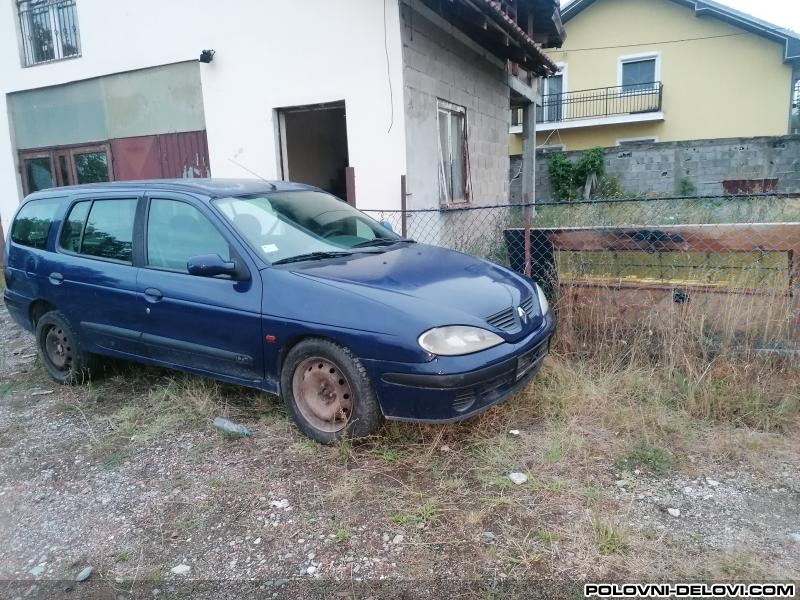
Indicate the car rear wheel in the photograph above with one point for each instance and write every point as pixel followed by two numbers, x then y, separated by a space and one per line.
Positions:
pixel 60 350
pixel 328 393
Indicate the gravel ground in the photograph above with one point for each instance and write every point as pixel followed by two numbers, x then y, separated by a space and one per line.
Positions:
pixel 188 512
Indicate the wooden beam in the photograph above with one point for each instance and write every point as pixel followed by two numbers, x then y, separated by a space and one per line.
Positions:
pixel 350 184
pixel 493 39
pixel 471 13
pixel 488 30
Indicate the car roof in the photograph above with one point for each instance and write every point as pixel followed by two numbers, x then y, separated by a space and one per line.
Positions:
pixel 208 187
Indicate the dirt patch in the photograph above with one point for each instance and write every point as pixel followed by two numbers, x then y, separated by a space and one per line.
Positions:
pixel 127 475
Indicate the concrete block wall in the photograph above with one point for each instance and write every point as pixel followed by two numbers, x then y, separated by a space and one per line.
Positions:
pixel 515 177
pixel 657 168
pixel 437 64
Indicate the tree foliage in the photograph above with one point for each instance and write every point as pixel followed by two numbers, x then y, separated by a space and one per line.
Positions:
pixel 591 161
pixel 562 176
pixel 567 178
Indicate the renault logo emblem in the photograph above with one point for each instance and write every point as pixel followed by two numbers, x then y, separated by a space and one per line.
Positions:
pixel 522 315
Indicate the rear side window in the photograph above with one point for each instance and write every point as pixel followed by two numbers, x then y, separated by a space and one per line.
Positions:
pixel 72 230
pixel 32 225
pixel 102 228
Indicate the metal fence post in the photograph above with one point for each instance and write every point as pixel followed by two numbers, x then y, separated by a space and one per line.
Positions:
pixel 403 214
pixel 794 289
pixel 528 176
pixel 526 212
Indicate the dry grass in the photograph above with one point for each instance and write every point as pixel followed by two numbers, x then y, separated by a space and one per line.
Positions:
pixel 653 399
pixel 133 405
pixel 731 358
pixel 610 538
pixel 583 425
pixel 649 397
pixel 727 566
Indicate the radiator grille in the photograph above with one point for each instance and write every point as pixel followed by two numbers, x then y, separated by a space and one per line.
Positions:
pixel 507 319
pixel 527 306
pixel 504 320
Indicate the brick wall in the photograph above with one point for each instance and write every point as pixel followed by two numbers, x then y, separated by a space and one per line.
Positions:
pixel 647 168
pixel 437 65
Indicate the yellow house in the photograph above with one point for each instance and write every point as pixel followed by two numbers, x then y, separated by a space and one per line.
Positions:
pixel 666 70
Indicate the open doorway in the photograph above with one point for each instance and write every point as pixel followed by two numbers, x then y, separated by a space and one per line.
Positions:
pixel 313 143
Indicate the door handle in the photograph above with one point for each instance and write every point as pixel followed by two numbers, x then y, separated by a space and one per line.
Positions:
pixel 56 278
pixel 153 294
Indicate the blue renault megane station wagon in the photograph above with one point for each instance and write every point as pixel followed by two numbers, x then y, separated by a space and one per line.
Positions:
pixel 276 286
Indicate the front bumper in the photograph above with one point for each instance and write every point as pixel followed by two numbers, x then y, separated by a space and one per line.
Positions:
pixel 454 388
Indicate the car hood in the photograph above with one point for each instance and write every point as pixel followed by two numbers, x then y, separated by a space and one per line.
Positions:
pixel 449 287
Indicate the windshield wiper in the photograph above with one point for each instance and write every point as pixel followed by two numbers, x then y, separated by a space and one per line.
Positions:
pixel 311 256
pixel 382 242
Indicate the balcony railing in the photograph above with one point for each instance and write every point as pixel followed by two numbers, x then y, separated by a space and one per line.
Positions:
pixel 49 30
pixel 601 102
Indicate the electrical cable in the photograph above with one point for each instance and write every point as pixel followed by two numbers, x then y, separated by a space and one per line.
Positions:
pixel 710 37
pixel 388 69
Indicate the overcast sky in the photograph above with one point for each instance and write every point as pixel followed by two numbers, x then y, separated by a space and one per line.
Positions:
pixel 785 13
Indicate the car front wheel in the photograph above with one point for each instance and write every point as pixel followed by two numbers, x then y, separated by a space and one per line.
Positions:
pixel 328 393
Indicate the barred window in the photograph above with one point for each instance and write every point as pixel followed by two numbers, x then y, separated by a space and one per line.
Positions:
pixel 49 30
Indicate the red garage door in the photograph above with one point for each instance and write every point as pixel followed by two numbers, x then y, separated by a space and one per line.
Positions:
pixel 170 155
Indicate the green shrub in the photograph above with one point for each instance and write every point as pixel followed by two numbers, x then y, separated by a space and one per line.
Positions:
pixel 686 187
pixel 591 161
pixel 562 177
pixel 567 178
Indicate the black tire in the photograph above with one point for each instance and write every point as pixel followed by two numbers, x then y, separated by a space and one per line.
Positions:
pixel 329 376
pixel 60 351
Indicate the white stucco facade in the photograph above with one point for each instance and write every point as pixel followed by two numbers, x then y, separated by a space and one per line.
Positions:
pixel 269 54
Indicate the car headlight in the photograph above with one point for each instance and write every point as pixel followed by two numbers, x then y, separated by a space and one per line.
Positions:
pixel 544 305
pixel 455 340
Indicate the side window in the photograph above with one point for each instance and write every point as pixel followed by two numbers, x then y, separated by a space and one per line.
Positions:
pixel 72 230
pixel 32 225
pixel 109 229
pixel 453 163
pixel 177 231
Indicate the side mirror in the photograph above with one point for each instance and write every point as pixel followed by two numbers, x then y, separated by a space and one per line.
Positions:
pixel 211 265
pixel 387 225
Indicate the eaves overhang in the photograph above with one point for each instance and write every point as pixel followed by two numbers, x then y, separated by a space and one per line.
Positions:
pixel 489 24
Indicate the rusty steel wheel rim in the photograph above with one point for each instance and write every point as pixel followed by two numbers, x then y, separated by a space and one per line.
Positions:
pixel 58 349
pixel 323 394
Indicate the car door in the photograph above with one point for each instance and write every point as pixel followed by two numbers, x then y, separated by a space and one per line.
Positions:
pixel 205 324
pixel 92 274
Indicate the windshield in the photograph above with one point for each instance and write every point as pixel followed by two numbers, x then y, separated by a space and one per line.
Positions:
pixel 283 225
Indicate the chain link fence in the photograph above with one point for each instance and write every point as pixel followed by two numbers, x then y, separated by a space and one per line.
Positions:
pixel 713 273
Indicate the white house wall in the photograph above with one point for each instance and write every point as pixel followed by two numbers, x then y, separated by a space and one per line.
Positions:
pixel 269 54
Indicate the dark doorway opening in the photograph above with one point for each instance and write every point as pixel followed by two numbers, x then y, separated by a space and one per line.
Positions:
pixel 313 143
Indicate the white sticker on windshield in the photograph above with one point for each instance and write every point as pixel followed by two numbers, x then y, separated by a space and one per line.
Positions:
pixel 269 248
